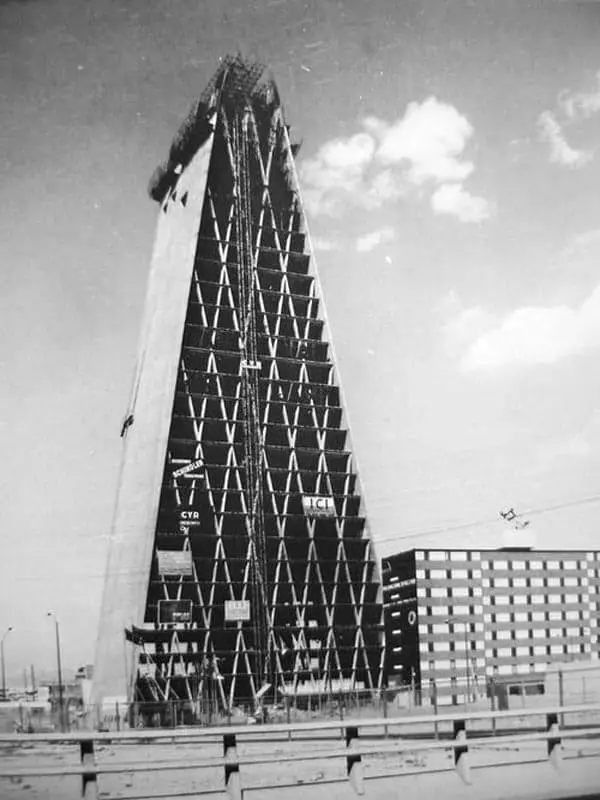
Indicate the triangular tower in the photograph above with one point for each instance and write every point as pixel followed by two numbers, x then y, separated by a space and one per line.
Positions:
pixel 240 556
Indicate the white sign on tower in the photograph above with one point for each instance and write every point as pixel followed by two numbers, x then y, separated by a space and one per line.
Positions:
pixel 174 562
pixel 237 610
pixel 317 506
pixel 195 469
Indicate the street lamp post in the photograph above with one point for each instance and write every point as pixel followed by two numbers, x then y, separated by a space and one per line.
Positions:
pixel 59 670
pixel 4 635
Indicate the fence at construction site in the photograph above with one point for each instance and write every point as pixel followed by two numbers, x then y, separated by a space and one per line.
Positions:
pixel 560 687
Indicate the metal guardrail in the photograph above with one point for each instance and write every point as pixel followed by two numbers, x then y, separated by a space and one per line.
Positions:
pixel 352 750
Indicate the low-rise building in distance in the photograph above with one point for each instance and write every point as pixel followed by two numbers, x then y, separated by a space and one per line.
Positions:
pixel 458 621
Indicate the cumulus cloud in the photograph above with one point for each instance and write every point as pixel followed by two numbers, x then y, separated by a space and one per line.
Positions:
pixel 464 327
pixel 579 106
pixel 336 172
pixel 572 108
pixel 370 241
pixel 319 243
pixel 429 140
pixel 561 151
pixel 388 160
pixel 385 185
pixel 347 157
pixel 454 199
pixel 528 335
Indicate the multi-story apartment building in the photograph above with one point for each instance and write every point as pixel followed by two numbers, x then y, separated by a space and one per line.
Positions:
pixel 457 618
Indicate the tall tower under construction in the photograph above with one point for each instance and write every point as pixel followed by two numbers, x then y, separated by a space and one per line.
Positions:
pixel 240 554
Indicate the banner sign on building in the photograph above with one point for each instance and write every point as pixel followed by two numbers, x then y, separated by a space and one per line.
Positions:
pixel 195 469
pixel 189 518
pixel 317 506
pixel 174 612
pixel 319 686
pixel 250 364
pixel 237 610
pixel 174 562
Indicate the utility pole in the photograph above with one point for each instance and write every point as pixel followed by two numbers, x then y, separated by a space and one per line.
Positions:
pixel 59 670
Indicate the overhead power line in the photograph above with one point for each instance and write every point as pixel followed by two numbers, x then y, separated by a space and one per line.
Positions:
pixel 417 535
pixel 475 523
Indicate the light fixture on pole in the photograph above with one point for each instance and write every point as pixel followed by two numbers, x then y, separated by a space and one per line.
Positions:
pixel 4 635
pixel 59 669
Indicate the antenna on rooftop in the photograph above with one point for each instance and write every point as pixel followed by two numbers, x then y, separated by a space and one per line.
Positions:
pixel 515 538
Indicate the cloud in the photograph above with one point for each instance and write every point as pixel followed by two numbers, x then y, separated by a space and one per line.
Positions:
pixel 319 243
pixel 336 172
pixel 348 156
pixel 578 106
pixel 370 241
pixel 384 186
pixel 561 151
pixel 572 109
pixel 526 336
pixel 429 139
pixel 453 199
pixel 464 327
pixel 387 160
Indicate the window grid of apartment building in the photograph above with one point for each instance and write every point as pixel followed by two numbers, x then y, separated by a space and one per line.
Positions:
pixel 461 617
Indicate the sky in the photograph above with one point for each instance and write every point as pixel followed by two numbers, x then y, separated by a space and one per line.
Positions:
pixel 450 166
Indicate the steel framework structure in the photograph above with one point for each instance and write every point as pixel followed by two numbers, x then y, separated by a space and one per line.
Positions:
pixel 271 582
